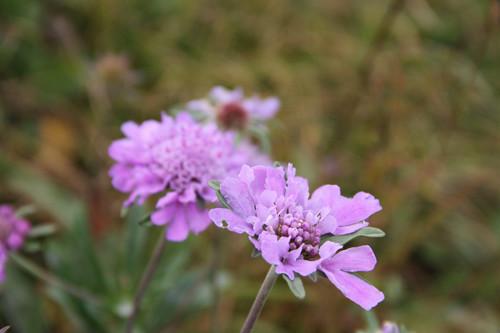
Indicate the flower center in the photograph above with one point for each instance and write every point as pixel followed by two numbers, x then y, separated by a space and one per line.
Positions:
pixel 233 115
pixel 300 232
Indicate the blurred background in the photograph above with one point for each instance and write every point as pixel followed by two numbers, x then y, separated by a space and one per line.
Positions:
pixel 396 98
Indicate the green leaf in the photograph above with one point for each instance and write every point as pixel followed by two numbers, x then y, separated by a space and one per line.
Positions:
pixel 222 200
pixel 313 276
pixel 215 184
pixel 42 230
pixel 365 232
pixel 296 286
pixel 25 211
pixel 255 253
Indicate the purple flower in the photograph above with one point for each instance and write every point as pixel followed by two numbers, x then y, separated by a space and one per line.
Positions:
pixel 272 206
pixel 389 327
pixel 175 158
pixel 338 268
pixel 232 110
pixel 13 231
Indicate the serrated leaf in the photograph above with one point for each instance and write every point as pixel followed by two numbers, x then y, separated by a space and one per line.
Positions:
pixel 365 232
pixel 215 184
pixel 296 286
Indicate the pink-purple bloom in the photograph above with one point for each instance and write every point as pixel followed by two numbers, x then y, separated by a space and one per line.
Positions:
pixel 389 327
pixel 273 207
pixel 232 110
pixel 13 231
pixel 175 158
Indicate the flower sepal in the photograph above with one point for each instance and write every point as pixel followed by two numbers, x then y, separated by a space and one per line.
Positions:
pixel 371 232
pixel 296 286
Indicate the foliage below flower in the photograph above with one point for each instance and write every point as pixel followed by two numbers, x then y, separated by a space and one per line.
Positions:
pixel 175 158
pixel 13 231
pixel 272 206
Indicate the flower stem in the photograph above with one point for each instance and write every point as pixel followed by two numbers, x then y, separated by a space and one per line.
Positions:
pixel 46 276
pixel 260 300
pixel 146 278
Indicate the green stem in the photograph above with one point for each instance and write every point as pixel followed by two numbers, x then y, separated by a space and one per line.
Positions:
pixel 260 300
pixel 46 276
pixel 146 278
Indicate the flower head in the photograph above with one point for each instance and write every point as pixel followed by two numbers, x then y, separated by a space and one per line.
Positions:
pixel 175 158
pixel 273 207
pixel 13 231
pixel 232 110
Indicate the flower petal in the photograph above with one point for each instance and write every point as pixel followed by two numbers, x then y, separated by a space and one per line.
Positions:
pixel 354 259
pixel 349 229
pixel 197 218
pixel 305 267
pixel 328 225
pixel 355 289
pixel 273 249
pixel 164 215
pixel 238 196
pixel 178 229
pixel 225 218
pixel 328 249
pixel 349 211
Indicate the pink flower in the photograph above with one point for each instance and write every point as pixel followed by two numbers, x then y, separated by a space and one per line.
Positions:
pixel 175 158
pixel 232 110
pixel 13 231
pixel 272 206
pixel 338 266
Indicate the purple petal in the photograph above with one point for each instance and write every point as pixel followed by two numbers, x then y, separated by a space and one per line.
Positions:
pixel 298 187
pixel 328 249
pixel 359 208
pixel 328 225
pixel 197 218
pixel 164 215
pixel 305 267
pixel 167 199
pixel 262 108
pixel 223 95
pixel 238 196
pixel 225 218
pixel 349 229
pixel 273 249
pixel 285 269
pixel 267 198
pixel 178 229
pixel 324 196
pixel 354 259
pixel 355 289
pixel 275 180
pixel 389 327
